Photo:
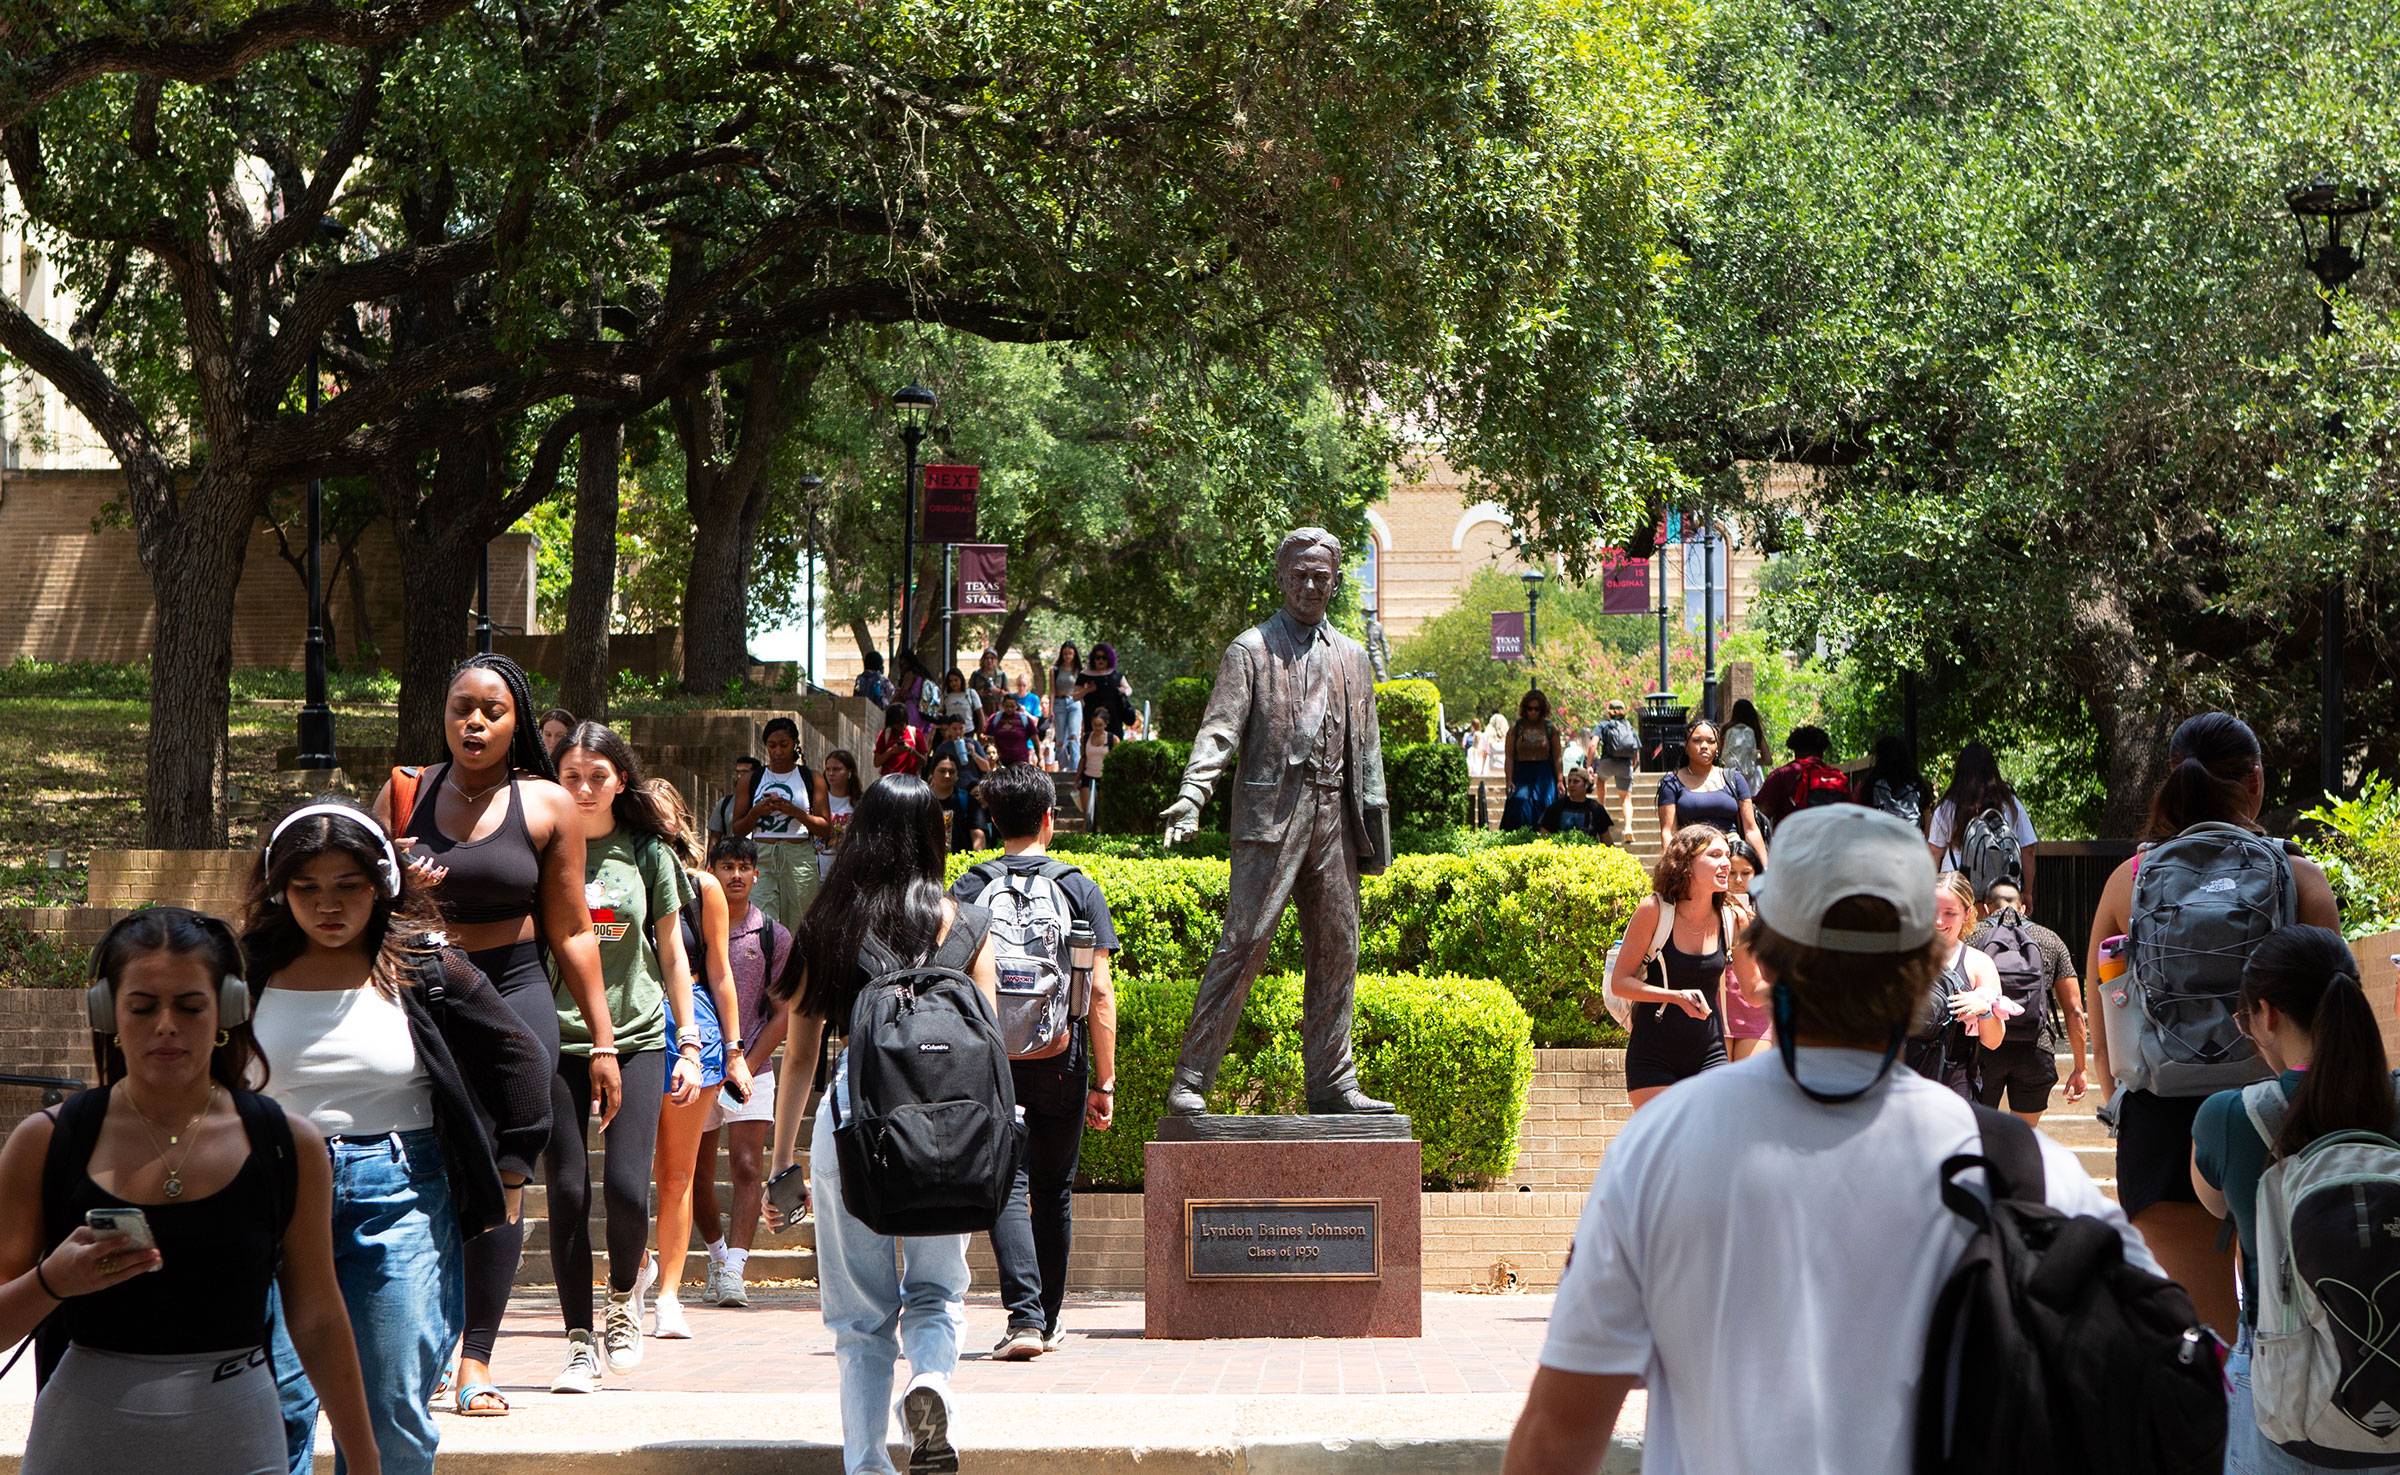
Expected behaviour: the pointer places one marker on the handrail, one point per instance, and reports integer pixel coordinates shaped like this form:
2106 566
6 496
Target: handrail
54 1089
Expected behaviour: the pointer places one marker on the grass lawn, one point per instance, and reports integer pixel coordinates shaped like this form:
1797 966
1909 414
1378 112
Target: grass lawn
71 779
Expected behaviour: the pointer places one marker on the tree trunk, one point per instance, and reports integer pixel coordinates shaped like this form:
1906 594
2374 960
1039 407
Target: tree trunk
862 631
2123 688
362 626
592 591
437 596
716 603
193 570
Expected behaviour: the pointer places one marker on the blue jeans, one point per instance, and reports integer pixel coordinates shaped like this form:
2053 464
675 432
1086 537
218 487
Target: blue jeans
2247 1451
872 1307
396 1253
1066 718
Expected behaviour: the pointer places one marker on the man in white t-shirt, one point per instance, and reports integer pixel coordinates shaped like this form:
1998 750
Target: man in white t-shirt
1762 1254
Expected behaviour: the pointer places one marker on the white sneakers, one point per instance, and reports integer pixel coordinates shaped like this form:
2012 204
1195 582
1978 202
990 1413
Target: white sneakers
925 1414
621 1330
725 1285
582 1372
668 1323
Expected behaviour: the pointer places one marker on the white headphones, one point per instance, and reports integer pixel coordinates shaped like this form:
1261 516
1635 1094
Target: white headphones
387 869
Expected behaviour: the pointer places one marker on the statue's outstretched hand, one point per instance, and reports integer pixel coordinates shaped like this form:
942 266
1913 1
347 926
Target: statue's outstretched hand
1183 820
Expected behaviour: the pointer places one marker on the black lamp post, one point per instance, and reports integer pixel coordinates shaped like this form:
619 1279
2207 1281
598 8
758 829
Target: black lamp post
2320 209
916 405
316 716
483 600
1533 621
808 632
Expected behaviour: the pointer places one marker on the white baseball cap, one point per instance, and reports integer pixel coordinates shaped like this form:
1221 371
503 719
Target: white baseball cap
1826 856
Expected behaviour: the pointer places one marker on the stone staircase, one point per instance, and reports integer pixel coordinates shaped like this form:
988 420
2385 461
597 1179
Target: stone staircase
1641 839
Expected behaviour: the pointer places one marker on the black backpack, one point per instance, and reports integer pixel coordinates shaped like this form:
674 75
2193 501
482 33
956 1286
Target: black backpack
932 1141
2024 972
2048 1351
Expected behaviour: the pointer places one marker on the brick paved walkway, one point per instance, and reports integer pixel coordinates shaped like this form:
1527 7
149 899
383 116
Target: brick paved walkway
1473 1345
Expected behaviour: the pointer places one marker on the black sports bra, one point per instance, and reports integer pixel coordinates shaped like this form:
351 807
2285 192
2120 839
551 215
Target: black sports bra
495 879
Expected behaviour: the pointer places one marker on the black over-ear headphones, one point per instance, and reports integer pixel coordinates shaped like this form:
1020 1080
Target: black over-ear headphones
233 992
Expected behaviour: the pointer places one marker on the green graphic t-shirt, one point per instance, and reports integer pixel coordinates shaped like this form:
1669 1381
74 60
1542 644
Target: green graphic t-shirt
628 879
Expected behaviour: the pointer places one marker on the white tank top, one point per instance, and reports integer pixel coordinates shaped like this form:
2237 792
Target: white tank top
343 1058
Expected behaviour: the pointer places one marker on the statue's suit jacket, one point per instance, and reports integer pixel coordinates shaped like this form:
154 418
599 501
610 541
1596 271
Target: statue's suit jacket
1253 724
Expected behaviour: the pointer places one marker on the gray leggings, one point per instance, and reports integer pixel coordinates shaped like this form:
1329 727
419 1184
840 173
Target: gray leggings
216 1410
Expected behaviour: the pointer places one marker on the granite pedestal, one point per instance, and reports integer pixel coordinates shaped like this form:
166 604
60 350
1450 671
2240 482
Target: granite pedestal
1282 1227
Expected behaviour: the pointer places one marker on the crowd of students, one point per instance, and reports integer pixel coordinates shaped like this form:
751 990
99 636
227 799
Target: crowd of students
1825 1258
430 1000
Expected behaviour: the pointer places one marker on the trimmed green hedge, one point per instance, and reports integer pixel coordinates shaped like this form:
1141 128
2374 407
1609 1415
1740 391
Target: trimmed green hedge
1176 708
1140 779
1538 917
1408 711
1428 785
1455 1054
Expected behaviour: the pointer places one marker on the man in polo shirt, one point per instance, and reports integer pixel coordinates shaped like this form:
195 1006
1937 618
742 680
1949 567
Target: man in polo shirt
1764 1242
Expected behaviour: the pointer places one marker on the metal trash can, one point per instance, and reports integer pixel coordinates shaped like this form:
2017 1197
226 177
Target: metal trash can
1664 722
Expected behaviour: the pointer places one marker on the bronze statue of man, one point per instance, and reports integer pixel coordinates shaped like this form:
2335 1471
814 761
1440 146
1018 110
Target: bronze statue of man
1295 700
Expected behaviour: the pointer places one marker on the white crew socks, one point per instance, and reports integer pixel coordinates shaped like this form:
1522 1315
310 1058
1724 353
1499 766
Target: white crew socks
737 1261
716 1251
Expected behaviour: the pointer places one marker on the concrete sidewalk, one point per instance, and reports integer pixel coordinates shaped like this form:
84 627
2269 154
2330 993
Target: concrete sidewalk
753 1393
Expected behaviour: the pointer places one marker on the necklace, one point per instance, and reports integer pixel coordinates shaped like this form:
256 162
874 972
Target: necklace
175 1138
450 781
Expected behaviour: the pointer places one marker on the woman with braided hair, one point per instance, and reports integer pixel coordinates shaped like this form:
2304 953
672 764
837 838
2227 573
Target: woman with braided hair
502 846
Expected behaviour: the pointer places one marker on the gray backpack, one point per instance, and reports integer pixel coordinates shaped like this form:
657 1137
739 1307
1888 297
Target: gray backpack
1989 852
1032 916
2327 1366
2201 902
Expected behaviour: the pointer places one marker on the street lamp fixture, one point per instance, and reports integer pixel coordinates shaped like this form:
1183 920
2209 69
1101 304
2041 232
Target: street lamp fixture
808 632
2320 210
916 405
1533 623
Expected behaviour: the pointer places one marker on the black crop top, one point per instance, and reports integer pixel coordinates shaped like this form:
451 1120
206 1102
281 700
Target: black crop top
216 1255
495 879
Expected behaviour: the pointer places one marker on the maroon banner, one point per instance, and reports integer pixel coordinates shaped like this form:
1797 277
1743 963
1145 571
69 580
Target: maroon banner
1624 584
949 506
1508 635
982 578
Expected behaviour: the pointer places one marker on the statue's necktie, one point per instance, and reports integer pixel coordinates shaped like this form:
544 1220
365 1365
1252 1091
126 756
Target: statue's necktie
1316 690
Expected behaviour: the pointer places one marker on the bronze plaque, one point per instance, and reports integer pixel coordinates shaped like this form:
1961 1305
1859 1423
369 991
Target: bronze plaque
1282 1239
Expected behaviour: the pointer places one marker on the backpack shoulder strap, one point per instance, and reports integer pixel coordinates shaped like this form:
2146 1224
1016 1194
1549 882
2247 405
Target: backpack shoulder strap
2267 1107
404 797
2012 1156
270 1134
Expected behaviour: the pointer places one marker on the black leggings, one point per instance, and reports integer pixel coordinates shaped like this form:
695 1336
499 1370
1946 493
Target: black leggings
632 1140
491 1258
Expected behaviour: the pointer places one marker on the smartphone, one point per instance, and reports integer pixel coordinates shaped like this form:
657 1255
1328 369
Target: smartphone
132 1223
788 1192
740 1094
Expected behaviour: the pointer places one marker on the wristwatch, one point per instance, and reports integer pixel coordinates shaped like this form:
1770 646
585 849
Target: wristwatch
734 1045
1108 1090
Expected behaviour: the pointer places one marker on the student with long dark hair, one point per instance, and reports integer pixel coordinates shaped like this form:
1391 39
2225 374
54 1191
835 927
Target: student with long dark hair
502 844
343 955
2216 774
1976 788
633 889
2305 1006
885 890
170 1343
1894 784
1066 708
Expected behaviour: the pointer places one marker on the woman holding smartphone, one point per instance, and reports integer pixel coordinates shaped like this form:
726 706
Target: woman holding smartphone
234 1198
349 970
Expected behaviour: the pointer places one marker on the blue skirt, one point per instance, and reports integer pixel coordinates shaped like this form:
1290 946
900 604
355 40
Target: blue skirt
1532 786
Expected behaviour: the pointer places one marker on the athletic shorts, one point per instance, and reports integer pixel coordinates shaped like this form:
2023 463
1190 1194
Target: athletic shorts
2026 1069
1618 771
2154 1150
759 1108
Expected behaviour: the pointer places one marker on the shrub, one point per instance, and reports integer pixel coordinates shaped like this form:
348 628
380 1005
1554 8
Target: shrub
2359 847
1408 711
30 959
1427 784
1175 708
1143 778
1454 1054
1539 917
